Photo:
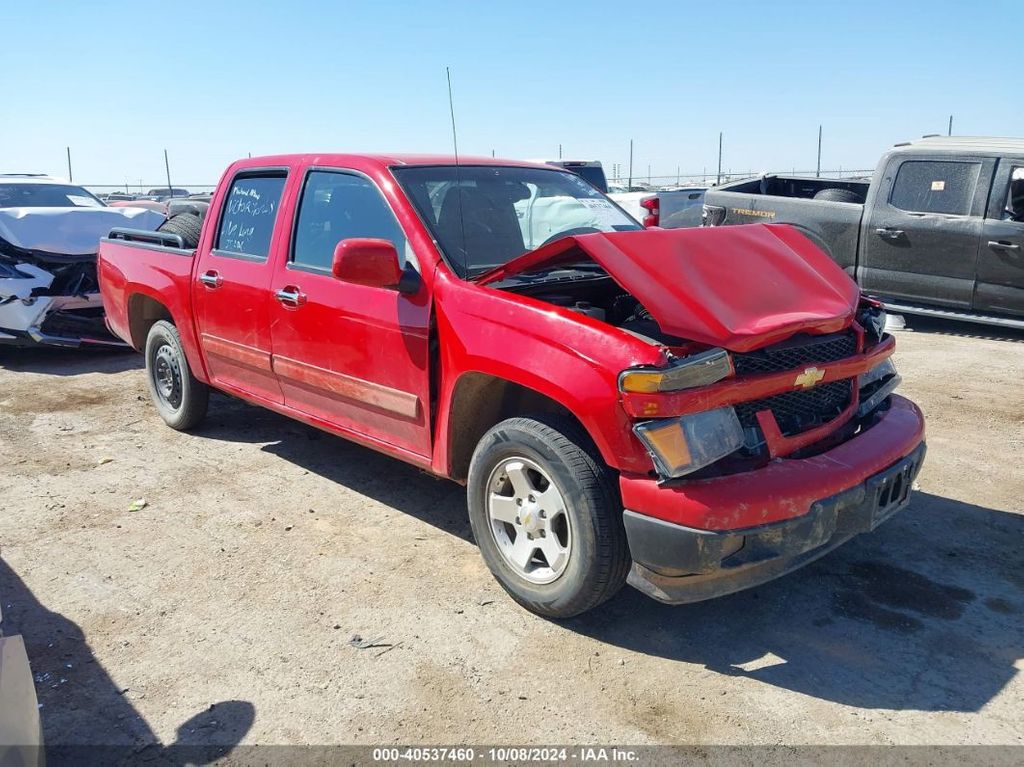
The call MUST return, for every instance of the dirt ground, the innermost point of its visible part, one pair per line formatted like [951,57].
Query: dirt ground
[265,547]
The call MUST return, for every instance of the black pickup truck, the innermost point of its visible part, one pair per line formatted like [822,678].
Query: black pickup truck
[938,230]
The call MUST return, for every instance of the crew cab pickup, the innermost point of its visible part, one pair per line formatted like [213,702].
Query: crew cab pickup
[694,410]
[937,231]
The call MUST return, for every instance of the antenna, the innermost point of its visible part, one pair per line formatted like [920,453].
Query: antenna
[451,107]
[458,173]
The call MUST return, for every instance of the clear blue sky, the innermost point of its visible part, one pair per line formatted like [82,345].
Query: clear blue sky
[118,82]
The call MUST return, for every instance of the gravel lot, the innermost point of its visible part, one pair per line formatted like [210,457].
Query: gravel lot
[265,547]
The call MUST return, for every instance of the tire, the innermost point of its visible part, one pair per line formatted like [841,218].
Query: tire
[187,225]
[180,398]
[589,529]
[837,194]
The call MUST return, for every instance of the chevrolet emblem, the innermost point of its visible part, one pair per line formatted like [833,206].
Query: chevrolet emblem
[809,378]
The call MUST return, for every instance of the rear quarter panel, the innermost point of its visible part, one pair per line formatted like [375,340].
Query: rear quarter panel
[128,271]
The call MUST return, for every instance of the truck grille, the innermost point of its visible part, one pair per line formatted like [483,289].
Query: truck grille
[798,351]
[797,411]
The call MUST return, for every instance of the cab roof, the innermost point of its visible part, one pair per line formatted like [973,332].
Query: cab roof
[966,144]
[382,160]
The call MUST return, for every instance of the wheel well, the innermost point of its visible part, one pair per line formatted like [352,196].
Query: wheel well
[143,312]
[479,402]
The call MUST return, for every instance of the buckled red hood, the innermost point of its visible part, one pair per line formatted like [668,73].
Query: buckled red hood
[738,287]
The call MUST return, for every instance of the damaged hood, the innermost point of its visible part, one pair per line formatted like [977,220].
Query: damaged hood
[69,231]
[738,287]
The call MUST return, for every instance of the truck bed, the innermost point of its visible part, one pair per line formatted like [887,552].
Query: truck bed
[137,263]
[802,187]
[833,226]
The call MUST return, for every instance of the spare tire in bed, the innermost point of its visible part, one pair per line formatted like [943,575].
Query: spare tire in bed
[838,194]
[185,225]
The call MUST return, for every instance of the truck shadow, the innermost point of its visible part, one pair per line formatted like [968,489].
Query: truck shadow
[89,719]
[438,502]
[69,362]
[923,614]
[936,326]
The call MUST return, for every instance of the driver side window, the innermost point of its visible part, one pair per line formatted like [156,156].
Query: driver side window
[337,206]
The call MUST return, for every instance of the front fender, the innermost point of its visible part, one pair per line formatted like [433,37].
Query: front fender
[572,359]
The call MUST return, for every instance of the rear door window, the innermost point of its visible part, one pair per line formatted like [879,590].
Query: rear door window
[930,186]
[247,225]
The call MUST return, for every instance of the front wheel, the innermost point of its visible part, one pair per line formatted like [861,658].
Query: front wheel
[546,516]
[180,398]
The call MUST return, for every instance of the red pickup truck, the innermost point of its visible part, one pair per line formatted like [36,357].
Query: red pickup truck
[694,411]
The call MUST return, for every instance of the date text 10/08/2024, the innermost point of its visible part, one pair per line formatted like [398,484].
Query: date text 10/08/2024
[504,754]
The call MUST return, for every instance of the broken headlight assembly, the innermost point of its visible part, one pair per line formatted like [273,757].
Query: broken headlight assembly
[876,385]
[700,369]
[872,317]
[681,446]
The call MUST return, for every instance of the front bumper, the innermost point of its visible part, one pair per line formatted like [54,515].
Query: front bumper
[55,321]
[759,525]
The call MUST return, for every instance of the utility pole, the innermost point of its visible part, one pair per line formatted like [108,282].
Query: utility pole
[648,174]
[167,167]
[719,181]
[629,184]
[817,173]
[559,151]
[950,132]
[70,177]
[677,175]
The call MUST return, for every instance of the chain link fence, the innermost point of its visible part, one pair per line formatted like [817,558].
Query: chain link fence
[615,174]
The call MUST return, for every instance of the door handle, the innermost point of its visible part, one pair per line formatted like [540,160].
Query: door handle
[889,234]
[1000,245]
[211,279]
[290,295]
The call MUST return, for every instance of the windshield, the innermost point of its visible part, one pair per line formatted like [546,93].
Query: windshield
[484,216]
[46,196]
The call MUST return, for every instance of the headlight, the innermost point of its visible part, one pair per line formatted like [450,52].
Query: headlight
[877,384]
[681,446]
[697,370]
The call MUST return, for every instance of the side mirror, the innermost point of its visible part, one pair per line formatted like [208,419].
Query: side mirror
[367,261]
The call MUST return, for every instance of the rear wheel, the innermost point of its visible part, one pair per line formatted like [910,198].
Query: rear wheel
[546,516]
[180,398]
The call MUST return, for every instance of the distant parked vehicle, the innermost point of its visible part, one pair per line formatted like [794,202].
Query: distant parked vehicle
[117,197]
[159,207]
[667,208]
[589,170]
[194,203]
[167,192]
[938,230]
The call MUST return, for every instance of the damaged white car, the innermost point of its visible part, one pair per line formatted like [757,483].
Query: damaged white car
[49,234]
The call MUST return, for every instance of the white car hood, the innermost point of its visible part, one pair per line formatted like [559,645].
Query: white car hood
[70,231]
